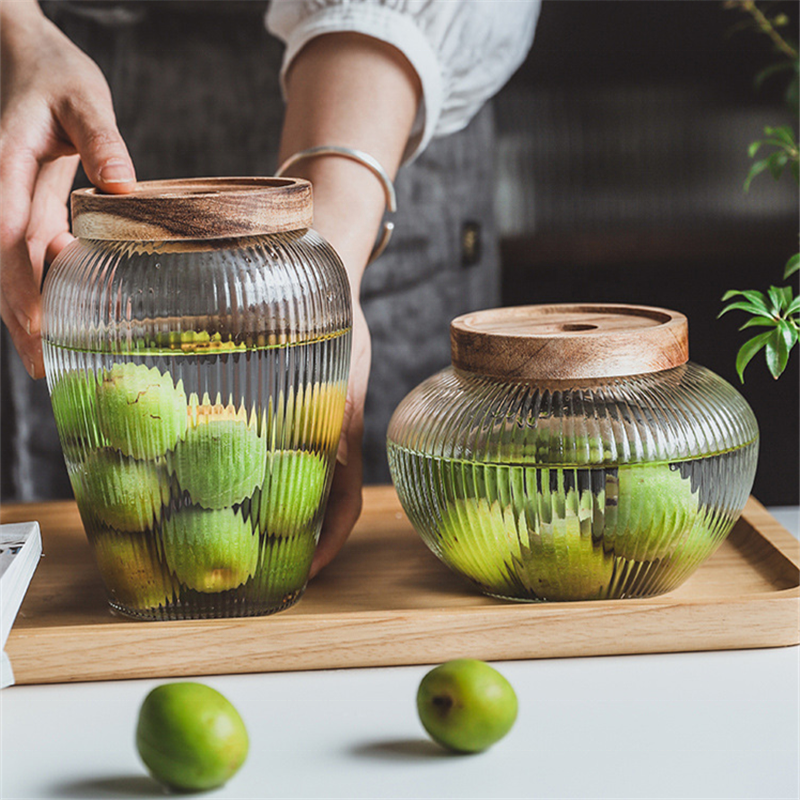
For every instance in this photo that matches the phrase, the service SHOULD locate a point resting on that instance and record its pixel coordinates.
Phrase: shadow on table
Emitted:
(401, 750)
(109, 787)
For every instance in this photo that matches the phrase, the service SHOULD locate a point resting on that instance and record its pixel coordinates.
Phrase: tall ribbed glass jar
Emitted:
(573, 453)
(196, 341)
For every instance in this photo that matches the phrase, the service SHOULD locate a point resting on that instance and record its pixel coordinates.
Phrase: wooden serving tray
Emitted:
(387, 600)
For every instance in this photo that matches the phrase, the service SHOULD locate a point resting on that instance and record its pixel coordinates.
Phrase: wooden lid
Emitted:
(194, 208)
(565, 342)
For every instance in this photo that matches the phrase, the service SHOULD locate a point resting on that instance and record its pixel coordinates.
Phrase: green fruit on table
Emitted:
(130, 570)
(220, 461)
(656, 510)
(190, 737)
(210, 551)
(294, 486)
(140, 410)
(466, 705)
(121, 492)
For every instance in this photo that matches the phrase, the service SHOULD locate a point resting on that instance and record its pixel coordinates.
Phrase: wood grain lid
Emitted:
(569, 341)
(193, 208)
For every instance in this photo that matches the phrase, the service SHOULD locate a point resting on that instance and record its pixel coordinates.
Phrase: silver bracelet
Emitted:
(372, 165)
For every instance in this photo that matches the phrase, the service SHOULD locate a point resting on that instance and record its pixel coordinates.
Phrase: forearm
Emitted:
(353, 91)
(18, 18)
(20, 26)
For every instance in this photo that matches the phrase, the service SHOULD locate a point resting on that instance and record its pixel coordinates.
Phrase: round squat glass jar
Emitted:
(572, 452)
(196, 342)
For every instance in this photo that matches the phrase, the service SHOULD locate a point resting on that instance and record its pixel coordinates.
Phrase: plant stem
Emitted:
(767, 27)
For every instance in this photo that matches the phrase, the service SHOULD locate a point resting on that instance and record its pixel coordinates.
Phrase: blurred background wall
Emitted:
(621, 161)
(621, 158)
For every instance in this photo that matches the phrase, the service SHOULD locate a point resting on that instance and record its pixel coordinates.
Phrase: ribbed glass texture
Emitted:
(199, 389)
(574, 492)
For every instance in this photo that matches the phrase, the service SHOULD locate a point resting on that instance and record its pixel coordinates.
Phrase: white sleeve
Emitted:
(462, 50)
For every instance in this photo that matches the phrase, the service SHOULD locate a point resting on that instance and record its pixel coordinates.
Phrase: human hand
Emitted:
(344, 504)
(56, 109)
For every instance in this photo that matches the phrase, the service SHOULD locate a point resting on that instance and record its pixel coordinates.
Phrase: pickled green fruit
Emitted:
(564, 563)
(656, 510)
(466, 705)
(74, 399)
(293, 490)
(121, 492)
(210, 551)
(288, 562)
(480, 541)
(220, 461)
(555, 559)
(130, 570)
(190, 737)
(140, 410)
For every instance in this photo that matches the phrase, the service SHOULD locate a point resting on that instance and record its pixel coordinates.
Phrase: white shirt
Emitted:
(462, 50)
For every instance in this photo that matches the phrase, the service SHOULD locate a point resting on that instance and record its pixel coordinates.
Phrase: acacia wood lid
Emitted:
(569, 341)
(193, 208)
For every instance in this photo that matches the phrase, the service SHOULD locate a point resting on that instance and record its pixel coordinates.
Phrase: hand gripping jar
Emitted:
(196, 341)
(572, 452)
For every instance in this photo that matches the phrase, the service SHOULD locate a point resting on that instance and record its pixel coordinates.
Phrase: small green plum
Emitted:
(656, 509)
(140, 410)
(549, 557)
(466, 705)
(210, 550)
(287, 563)
(310, 416)
(121, 492)
(190, 737)
(480, 540)
(130, 570)
(220, 461)
(74, 399)
(293, 490)
(563, 562)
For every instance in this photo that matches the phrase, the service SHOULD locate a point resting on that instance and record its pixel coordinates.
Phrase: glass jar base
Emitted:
(172, 612)
(541, 600)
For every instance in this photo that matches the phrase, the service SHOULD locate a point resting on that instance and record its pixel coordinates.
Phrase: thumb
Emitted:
(91, 126)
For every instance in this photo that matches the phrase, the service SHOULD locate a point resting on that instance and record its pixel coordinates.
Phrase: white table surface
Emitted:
(687, 725)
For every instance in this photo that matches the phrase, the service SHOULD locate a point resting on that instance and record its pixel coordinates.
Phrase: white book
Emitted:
(20, 550)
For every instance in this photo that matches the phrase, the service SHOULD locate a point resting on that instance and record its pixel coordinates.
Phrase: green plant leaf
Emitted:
(783, 134)
(789, 333)
(753, 295)
(746, 307)
(755, 171)
(792, 265)
(777, 351)
(756, 322)
(748, 350)
(776, 296)
(777, 163)
(794, 307)
(787, 295)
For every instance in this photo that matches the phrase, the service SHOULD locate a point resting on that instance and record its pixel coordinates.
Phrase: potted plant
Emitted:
(777, 310)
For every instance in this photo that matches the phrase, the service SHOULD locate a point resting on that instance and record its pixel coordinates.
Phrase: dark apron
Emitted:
(195, 87)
